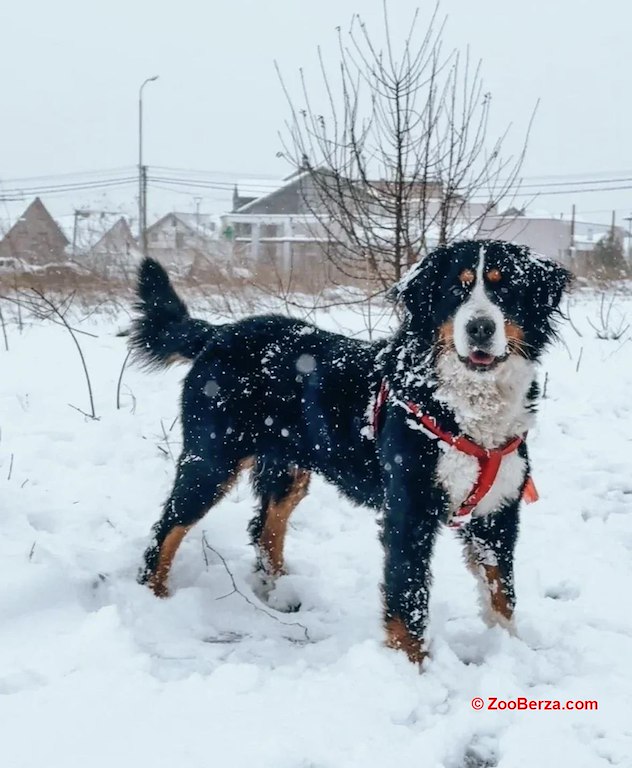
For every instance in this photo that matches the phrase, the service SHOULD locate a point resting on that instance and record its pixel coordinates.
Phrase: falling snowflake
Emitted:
(306, 363)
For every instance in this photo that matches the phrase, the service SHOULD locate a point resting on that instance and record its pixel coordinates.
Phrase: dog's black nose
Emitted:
(480, 329)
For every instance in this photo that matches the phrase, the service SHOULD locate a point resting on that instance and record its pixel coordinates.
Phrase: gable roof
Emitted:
(285, 199)
(186, 221)
(240, 200)
(35, 236)
(117, 240)
(203, 223)
(89, 227)
(169, 219)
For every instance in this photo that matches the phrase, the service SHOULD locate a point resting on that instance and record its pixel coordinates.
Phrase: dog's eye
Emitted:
(503, 289)
(456, 290)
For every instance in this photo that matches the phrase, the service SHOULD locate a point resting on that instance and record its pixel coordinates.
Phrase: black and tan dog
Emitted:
(428, 426)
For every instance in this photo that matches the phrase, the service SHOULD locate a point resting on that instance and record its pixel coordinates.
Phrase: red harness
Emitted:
(489, 460)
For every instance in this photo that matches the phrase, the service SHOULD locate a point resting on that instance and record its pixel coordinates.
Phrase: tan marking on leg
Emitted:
(272, 538)
(498, 597)
(399, 638)
(496, 605)
(158, 580)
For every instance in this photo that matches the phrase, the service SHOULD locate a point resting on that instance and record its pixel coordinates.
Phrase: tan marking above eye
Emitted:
(494, 276)
(467, 277)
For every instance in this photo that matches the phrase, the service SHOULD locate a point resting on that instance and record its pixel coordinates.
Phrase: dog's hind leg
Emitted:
(489, 553)
(198, 486)
(279, 489)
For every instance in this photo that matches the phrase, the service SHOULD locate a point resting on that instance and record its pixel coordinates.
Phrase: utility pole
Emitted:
(143, 223)
(142, 172)
(74, 234)
(629, 233)
(79, 213)
(572, 243)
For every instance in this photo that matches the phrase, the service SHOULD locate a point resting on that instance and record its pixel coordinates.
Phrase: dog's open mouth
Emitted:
(478, 360)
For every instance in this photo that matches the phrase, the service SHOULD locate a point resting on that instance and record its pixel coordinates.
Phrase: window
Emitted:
(242, 229)
(270, 230)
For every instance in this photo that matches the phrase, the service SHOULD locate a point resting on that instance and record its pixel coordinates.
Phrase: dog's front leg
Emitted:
(408, 537)
(489, 552)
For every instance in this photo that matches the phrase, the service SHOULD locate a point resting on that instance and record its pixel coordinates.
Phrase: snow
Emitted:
(95, 671)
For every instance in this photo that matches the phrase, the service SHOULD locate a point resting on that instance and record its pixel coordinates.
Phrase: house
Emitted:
(296, 223)
(35, 239)
(240, 200)
(559, 238)
(277, 228)
(88, 227)
(116, 253)
(178, 240)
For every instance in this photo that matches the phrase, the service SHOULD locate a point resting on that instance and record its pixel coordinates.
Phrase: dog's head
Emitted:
(485, 300)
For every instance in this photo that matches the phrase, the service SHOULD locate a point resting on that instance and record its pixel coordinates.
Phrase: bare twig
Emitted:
(569, 317)
(166, 438)
(55, 310)
(236, 591)
(120, 380)
(606, 328)
(4, 331)
(400, 158)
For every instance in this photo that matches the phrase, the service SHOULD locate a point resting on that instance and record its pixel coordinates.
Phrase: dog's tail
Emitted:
(164, 331)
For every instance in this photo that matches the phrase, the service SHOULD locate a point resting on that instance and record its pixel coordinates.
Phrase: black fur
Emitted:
(294, 396)
(163, 330)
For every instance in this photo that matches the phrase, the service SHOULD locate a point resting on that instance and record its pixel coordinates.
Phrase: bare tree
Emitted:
(399, 160)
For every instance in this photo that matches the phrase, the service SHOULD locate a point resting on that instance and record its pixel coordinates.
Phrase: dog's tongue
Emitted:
(481, 358)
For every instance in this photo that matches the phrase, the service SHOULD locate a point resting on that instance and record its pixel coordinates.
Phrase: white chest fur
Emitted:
(491, 408)
(457, 473)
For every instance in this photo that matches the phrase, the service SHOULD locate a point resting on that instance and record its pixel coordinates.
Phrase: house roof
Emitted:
(34, 234)
(204, 223)
(90, 226)
(201, 227)
(118, 239)
(288, 197)
(285, 196)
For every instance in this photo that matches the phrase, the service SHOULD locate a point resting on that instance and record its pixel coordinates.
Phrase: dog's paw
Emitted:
(276, 591)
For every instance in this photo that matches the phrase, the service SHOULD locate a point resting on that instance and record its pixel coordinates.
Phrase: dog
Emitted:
(428, 426)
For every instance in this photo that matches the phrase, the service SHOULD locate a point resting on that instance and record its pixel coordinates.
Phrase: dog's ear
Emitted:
(416, 291)
(548, 281)
(415, 288)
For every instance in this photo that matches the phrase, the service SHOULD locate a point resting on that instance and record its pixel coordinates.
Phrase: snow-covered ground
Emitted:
(95, 672)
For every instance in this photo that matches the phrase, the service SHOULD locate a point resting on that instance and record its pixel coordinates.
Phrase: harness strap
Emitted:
(489, 460)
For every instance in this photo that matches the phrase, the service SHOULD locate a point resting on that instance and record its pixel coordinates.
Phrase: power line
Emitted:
(19, 193)
(228, 174)
(535, 195)
(167, 180)
(102, 172)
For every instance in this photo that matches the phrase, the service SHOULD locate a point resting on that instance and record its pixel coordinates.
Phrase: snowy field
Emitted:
(97, 673)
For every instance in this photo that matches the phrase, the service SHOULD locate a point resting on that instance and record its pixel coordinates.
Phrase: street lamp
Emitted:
(142, 172)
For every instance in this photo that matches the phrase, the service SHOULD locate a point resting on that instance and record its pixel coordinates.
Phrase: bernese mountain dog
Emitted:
(428, 426)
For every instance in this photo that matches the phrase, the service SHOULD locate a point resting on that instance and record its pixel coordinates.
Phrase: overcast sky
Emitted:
(71, 72)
